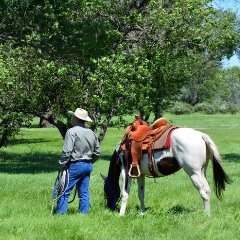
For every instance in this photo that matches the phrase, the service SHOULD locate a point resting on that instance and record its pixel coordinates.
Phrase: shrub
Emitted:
(227, 107)
(205, 108)
(216, 107)
(181, 108)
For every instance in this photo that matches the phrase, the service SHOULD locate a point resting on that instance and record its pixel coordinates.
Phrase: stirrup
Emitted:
(138, 171)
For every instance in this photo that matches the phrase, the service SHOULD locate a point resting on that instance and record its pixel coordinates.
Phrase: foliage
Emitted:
(223, 86)
(110, 57)
(205, 107)
(181, 108)
(216, 107)
(232, 78)
(228, 108)
(11, 98)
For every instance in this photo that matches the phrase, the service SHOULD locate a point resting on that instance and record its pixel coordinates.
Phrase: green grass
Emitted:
(28, 168)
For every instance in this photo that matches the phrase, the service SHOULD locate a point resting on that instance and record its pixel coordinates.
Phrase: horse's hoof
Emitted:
(142, 213)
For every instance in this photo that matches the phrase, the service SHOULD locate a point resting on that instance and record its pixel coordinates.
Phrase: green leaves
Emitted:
(110, 57)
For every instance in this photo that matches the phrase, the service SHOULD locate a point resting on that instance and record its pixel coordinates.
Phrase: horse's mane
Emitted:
(114, 168)
(111, 185)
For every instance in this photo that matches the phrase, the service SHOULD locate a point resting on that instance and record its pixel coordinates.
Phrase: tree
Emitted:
(232, 79)
(112, 57)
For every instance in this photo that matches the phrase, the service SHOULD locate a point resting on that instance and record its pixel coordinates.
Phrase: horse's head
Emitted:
(111, 193)
(111, 182)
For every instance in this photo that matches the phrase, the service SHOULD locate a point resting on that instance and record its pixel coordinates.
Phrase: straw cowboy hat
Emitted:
(80, 114)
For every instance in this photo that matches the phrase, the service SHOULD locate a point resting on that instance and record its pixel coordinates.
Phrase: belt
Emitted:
(84, 161)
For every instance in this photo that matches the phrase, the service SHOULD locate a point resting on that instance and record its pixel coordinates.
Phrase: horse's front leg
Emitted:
(141, 192)
(125, 191)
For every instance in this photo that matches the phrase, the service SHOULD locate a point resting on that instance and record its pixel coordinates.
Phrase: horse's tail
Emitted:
(219, 175)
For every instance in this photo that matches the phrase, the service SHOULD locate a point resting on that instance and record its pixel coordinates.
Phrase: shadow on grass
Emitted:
(231, 157)
(178, 209)
(14, 142)
(45, 162)
(106, 157)
(31, 163)
(36, 162)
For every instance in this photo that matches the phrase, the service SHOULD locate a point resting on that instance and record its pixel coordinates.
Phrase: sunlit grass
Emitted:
(28, 168)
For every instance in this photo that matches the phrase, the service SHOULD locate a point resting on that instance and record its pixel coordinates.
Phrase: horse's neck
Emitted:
(114, 168)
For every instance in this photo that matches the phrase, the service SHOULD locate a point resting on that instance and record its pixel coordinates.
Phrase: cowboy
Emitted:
(80, 150)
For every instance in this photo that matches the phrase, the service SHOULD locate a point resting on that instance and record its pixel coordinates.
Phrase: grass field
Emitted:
(28, 168)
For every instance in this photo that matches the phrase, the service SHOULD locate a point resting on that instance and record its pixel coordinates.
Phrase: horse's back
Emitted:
(186, 137)
(188, 147)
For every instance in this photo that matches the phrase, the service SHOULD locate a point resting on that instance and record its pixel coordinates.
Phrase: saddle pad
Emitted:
(165, 140)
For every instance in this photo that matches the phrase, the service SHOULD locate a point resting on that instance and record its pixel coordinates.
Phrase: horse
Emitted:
(189, 150)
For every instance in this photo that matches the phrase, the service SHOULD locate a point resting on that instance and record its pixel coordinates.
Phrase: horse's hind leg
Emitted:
(141, 192)
(200, 182)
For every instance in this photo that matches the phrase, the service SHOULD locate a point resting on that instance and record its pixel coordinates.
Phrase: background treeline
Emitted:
(219, 94)
(113, 58)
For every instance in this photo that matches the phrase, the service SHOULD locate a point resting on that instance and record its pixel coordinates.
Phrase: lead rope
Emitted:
(74, 196)
(59, 187)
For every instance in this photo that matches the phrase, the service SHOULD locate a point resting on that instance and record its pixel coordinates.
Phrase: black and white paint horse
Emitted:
(190, 150)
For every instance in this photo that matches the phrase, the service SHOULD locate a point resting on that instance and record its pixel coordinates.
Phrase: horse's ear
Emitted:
(103, 177)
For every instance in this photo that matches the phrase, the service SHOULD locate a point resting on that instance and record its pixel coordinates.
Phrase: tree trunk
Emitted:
(61, 126)
(4, 138)
(43, 123)
(104, 126)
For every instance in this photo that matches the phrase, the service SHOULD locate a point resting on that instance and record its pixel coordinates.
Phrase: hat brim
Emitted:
(87, 119)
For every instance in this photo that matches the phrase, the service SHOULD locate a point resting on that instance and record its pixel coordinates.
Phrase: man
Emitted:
(81, 148)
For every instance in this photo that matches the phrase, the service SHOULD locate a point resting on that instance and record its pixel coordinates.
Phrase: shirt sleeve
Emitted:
(96, 152)
(67, 147)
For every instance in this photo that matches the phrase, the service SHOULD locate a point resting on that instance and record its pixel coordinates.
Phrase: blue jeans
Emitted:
(79, 175)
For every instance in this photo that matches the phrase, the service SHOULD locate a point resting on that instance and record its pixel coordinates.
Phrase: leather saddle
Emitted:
(144, 138)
